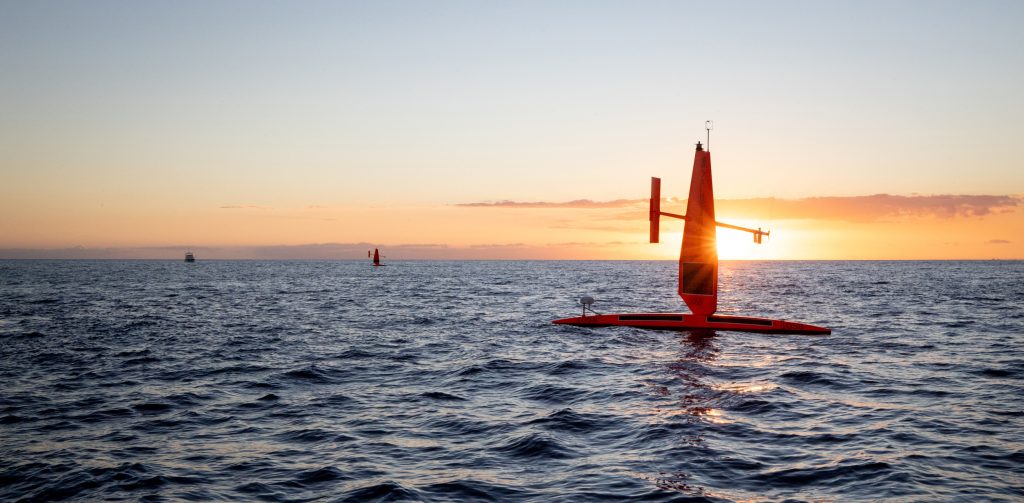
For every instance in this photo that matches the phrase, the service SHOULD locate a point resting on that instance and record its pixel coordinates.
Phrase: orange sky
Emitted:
(867, 227)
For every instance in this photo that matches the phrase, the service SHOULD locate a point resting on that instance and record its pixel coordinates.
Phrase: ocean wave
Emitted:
(309, 381)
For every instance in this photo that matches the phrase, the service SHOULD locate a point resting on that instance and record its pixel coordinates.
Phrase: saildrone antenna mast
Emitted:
(708, 126)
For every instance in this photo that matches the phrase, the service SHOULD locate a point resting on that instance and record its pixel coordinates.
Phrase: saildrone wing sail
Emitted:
(376, 257)
(698, 258)
(655, 209)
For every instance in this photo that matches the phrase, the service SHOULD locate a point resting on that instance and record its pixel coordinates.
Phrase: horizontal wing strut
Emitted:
(655, 213)
(758, 233)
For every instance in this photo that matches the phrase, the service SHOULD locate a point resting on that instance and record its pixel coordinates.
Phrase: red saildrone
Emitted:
(698, 269)
(376, 257)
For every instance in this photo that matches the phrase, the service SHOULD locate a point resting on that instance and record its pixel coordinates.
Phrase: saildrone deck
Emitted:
(684, 321)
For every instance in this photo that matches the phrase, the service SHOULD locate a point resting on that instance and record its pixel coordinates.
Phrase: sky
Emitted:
(447, 129)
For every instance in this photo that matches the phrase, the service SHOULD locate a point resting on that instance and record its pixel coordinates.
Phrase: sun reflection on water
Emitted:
(743, 388)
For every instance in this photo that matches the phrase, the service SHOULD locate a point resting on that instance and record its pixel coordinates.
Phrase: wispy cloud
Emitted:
(875, 207)
(849, 208)
(599, 244)
(998, 242)
(498, 245)
(312, 251)
(578, 203)
(590, 227)
(326, 251)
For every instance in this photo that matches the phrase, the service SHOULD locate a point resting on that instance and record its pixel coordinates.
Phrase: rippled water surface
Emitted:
(438, 381)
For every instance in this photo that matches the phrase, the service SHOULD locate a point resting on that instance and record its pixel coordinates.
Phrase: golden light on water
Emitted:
(716, 416)
(747, 387)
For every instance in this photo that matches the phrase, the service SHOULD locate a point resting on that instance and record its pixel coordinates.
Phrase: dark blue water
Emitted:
(445, 381)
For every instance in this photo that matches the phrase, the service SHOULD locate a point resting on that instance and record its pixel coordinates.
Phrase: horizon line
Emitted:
(125, 259)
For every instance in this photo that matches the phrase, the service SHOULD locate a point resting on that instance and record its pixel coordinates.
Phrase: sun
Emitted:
(736, 245)
(731, 245)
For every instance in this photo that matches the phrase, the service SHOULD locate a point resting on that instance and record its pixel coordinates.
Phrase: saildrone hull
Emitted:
(681, 321)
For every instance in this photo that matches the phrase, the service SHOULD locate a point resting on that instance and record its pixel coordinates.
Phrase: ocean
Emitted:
(446, 381)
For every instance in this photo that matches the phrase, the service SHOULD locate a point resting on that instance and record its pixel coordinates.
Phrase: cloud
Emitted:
(849, 208)
(599, 244)
(329, 251)
(313, 251)
(589, 227)
(498, 245)
(578, 203)
(998, 242)
(873, 208)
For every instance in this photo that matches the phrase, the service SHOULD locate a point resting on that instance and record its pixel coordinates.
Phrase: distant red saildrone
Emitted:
(376, 257)
(698, 269)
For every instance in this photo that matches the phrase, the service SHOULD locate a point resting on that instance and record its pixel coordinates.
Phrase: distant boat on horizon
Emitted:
(189, 257)
(376, 257)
